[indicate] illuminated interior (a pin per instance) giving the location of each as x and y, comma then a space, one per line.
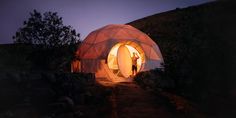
116, 67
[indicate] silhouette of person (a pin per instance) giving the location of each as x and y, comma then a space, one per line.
135, 57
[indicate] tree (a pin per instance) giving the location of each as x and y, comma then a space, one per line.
46, 30
52, 42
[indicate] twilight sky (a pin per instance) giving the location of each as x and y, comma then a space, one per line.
83, 15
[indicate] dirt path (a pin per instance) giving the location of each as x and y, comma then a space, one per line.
130, 101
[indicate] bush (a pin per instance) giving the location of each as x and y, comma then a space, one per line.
154, 79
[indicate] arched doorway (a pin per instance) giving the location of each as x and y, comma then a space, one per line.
119, 58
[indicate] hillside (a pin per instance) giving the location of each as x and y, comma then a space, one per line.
198, 47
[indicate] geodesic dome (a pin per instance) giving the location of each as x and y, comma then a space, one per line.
107, 52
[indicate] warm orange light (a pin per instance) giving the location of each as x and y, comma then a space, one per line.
132, 50
112, 57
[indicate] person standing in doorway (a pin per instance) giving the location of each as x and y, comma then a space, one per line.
135, 57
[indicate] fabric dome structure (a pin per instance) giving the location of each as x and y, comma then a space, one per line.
107, 52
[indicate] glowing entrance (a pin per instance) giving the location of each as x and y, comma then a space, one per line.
119, 59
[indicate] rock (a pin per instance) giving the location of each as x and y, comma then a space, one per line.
179, 108
9, 114
67, 101
78, 114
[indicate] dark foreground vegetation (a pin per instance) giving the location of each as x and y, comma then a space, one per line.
27, 57
30, 88
198, 47
52, 95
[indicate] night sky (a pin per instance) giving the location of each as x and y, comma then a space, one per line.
83, 15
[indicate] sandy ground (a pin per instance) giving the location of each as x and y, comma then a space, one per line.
128, 100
